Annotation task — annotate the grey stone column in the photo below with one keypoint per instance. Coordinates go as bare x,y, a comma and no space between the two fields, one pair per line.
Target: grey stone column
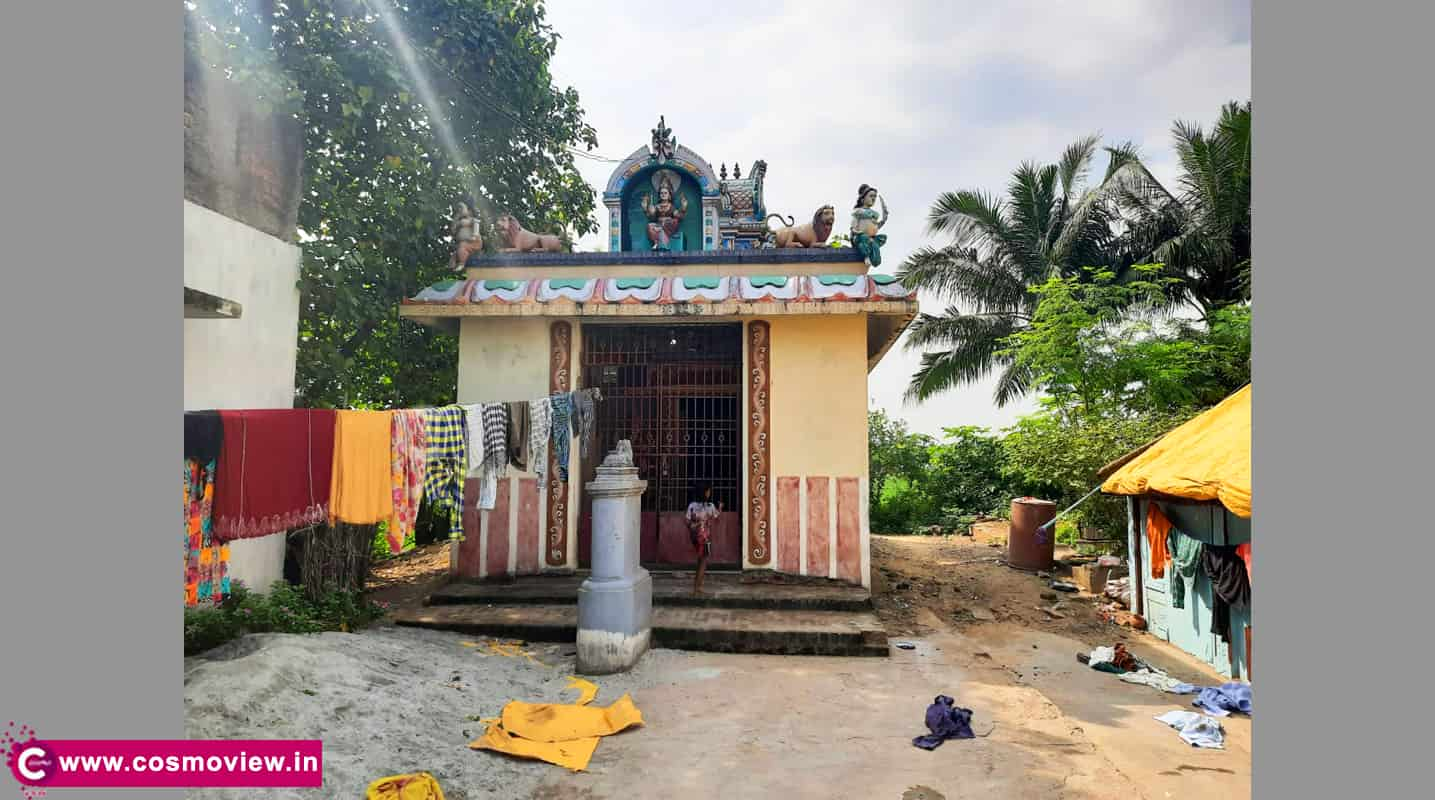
615,604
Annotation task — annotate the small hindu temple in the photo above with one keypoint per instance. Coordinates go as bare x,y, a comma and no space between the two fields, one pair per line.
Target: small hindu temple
733,353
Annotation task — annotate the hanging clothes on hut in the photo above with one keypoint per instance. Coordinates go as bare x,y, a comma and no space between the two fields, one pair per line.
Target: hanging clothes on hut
206,561
1230,586
1158,528
1244,551
409,463
584,418
495,453
518,424
275,471
363,492
1185,558
562,418
446,445
540,427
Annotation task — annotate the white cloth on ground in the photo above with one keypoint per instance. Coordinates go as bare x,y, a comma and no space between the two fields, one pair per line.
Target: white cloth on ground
1195,729
1102,655
1157,679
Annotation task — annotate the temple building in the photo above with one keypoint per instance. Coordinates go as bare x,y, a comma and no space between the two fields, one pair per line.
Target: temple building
730,357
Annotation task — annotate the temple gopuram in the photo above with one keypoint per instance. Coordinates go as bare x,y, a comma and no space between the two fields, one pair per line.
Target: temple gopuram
732,353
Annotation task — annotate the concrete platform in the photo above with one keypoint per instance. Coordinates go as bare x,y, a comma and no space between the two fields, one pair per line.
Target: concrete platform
672,588
721,630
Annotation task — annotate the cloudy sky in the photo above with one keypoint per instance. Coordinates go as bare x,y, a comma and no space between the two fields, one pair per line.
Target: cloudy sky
915,98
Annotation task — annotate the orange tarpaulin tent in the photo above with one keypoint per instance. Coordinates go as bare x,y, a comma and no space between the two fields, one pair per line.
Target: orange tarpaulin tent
1208,458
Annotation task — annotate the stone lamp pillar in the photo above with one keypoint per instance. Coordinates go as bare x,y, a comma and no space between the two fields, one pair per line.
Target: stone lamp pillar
615,604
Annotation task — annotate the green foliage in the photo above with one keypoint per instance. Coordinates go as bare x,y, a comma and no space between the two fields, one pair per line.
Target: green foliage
283,610
918,482
1056,456
384,161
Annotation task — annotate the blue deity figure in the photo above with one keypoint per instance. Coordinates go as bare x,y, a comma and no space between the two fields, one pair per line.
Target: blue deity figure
866,223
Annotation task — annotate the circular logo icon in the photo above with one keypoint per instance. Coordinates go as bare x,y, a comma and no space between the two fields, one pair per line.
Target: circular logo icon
34,763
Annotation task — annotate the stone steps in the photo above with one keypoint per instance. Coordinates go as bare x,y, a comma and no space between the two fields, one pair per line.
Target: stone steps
669,589
723,630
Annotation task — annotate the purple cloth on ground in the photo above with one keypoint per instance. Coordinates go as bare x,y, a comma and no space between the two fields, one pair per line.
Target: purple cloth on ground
1218,701
945,721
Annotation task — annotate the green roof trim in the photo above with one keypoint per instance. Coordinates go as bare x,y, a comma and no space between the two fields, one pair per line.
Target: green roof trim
567,283
634,283
705,282
501,286
443,286
883,280
759,281
837,280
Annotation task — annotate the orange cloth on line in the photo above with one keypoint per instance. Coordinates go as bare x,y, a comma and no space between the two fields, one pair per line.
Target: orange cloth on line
362,489
1157,529
1244,551
414,786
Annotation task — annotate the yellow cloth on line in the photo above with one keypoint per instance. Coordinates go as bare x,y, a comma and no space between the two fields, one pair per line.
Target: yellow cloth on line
555,722
414,786
1208,458
362,487
573,754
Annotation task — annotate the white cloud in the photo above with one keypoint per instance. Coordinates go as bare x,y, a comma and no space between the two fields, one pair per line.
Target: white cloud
917,98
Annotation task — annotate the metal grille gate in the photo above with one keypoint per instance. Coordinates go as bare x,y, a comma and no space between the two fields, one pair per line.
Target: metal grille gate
675,392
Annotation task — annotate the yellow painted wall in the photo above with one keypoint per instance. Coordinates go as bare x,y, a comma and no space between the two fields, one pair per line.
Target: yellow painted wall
819,395
502,360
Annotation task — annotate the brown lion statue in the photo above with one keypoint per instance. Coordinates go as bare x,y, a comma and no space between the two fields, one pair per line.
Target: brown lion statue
808,234
518,239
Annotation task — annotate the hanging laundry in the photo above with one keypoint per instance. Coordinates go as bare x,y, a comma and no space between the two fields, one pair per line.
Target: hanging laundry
362,491
409,466
1219,701
1244,551
275,471
203,436
1185,558
561,416
446,438
584,419
478,456
1230,586
1195,729
494,421
540,421
206,561
945,721
518,434
1157,529
414,786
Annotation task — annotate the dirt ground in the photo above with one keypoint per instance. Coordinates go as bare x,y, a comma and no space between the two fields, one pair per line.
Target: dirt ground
389,700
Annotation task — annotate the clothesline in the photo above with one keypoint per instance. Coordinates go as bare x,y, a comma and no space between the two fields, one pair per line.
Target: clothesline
256,472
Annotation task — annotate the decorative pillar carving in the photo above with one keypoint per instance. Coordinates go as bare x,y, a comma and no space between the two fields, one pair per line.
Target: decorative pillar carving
555,550
759,442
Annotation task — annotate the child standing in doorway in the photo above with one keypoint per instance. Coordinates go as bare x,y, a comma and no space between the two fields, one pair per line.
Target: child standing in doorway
701,515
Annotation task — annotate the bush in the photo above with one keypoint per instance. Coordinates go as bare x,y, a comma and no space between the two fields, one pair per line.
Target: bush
283,610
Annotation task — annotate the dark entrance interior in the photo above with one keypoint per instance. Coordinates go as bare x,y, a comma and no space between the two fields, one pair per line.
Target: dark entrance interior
675,392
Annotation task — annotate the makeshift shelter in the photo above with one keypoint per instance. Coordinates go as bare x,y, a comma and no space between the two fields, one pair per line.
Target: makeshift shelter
1197,478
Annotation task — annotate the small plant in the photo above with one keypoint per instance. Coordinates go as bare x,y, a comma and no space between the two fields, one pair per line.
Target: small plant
283,610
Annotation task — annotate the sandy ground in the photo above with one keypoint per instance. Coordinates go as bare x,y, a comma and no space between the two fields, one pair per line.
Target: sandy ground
391,700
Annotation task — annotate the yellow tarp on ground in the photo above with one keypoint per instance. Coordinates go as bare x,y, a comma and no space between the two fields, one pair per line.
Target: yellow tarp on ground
1208,458
414,786
562,734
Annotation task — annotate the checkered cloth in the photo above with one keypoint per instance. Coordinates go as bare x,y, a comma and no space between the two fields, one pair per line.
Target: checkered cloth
446,432
540,426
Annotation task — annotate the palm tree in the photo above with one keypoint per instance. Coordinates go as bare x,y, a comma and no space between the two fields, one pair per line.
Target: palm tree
1049,225
1201,232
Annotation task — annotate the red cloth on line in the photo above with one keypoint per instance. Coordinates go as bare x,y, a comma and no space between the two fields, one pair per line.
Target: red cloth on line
275,472
1158,527
1244,551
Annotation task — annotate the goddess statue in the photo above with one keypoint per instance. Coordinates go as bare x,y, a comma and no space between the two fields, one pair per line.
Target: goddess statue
664,217
866,224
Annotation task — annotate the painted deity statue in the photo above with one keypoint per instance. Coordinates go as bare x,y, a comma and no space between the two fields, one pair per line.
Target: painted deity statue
665,216
464,227
866,223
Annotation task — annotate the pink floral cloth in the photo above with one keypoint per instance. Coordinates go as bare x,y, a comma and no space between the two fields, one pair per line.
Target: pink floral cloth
408,477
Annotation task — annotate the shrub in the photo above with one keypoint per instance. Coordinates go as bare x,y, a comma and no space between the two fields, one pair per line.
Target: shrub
283,610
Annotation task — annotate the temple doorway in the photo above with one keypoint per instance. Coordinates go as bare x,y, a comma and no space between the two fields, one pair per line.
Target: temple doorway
675,392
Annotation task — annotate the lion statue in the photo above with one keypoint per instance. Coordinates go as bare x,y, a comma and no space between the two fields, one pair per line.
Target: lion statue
808,234
518,239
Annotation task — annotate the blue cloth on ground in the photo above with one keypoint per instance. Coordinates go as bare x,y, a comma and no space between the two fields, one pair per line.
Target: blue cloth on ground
945,721
1221,700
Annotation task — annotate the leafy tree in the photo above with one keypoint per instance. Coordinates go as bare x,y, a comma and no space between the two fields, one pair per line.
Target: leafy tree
407,108
895,457
966,474
1048,225
1202,230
